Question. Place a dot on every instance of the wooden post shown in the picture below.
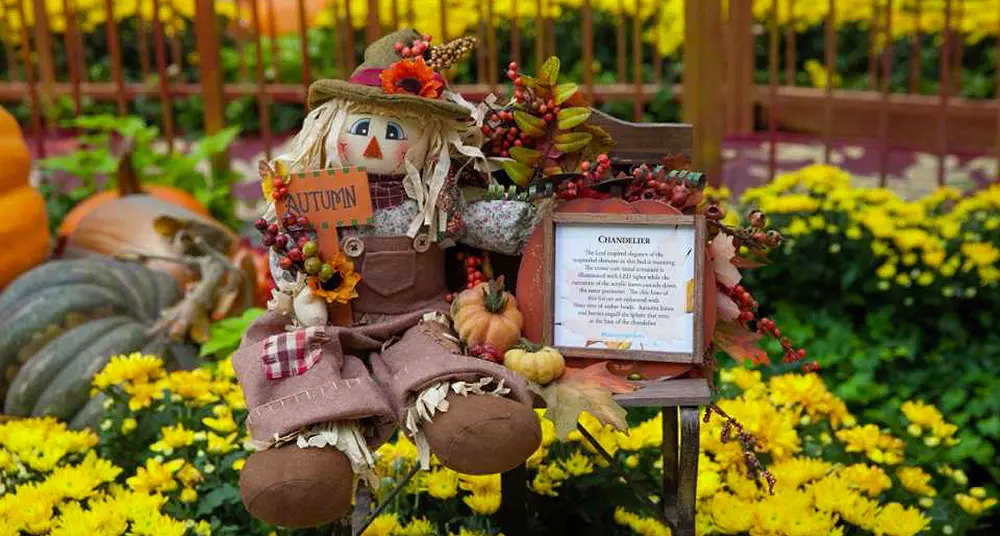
(740, 61)
(703, 88)
(46, 57)
(688, 463)
(210, 71)
(373, 28)
(669, 446)
(513, 513)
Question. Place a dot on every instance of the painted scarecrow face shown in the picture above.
(381, 143)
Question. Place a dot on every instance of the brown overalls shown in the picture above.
(402, 279)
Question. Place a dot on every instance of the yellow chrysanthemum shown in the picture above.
(155, 476)
(915, 480)
(578, 464)
(442, 483)
(417, 527)
(974, 506)
(868, 439)
(896, 520)
(483, 503)
(173, 437)
(383, 525)
(133, 368)
(870, 479)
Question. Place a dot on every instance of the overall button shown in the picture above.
(353, 247)
(422, 242)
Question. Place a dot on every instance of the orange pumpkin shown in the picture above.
(24, 226)
(487, 314)
(171, 195)
(529, 285)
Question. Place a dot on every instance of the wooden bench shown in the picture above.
(678, 400)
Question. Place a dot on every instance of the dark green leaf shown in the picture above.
(226, 494)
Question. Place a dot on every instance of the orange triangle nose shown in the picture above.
(373, 150)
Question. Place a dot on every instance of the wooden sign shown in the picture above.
(624, 286)
(329, 198)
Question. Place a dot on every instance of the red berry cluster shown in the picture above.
(503, 133)
(414, 49)
(542, 105)
(583, 186)
(474, 274)
(766, 325)
(743, 299)
(486, 351)
(280, 190)
(656, 183)
(293, 242)
(500, 127)
(748, 311)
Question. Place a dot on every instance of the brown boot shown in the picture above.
(297, 487)
(483, 434)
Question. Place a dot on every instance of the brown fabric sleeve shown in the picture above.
(338, 387)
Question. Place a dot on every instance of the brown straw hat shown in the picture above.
(387, 78)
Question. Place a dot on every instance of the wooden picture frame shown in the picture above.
(632, 222)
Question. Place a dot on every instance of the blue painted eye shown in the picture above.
(394, 132)
(360, 127)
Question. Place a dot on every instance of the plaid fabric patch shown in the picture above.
(386, 190)
(291, 354)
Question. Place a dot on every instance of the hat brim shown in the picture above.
(324, 90)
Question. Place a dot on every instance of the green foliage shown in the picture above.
(225, 334)
(95, 162)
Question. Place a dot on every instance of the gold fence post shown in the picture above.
(704, 70)
(210, 72)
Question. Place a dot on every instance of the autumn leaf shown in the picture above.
(550, 71)
(518, 172)
(572, 142)
(528, 157)
(601, 144)
(590, 389)
(565, 91)
(571, 117)
(748, 264)
(598, 374)
(529, 124)
(723, 251)
(739, 343)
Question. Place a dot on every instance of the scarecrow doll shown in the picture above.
(324, 388)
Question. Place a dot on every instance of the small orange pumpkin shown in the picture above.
(487, 314)
(22, 209)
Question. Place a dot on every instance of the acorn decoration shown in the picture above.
(446, 55)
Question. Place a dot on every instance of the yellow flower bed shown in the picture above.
(833, 473)
(944, 240)
(52, 482)
(176, 445)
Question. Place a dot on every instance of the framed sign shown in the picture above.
(624, 286)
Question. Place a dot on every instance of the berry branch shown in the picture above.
(755, 469)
